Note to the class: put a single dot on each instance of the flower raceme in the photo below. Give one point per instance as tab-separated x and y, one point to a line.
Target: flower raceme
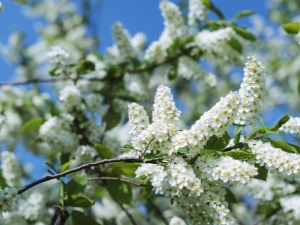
192	185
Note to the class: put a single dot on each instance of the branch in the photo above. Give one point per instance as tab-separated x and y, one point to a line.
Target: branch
128	214
84	166
116	179
52	80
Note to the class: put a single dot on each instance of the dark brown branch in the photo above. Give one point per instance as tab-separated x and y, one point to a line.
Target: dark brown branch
116	179
84	166
273	212
128	214
60	217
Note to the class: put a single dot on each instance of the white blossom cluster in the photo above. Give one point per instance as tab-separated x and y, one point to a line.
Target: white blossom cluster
226	169
190	68
58	56
138	41
174	22
291	126
202	200
215	47
32	207
135	85
213	122
57	134
251	91
197	11
165	114
11	169
8	198
155	52
84	154
275	159
123	50
93	101
175	220
70	96
291	205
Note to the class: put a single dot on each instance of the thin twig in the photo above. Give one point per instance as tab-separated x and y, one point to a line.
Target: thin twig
84	166
128	214
116	179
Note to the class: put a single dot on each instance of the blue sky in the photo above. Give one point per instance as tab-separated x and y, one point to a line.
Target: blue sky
136	16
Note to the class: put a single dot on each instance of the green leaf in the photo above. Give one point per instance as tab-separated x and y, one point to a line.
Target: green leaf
239	154
147	191
294	146
64	157
76	185
282	121
103	151
62	193
85	67
128	146
291	28
230	197
237	134
244	33
51	166
112	118
54	72
119	191
213	8
79	218
262	173
127	169
236	45
79	201
298	87
243	14
3	183
260	130
65	166
282	145
215	143
33	124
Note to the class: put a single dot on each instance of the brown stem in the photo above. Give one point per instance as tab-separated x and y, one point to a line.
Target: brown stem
128	214
84	166
60	217
116	179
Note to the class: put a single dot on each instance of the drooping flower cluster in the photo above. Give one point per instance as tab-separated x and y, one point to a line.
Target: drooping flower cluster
197	11
251	92
8	198
57	134
213	122
215	47
165	114
124	48
226	169
70	96
155	52
11	169
135	85
84	154
174	22
291	204
275	159
58	56
32	207
292	126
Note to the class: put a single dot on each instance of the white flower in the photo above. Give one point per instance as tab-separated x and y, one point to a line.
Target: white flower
197	11
176	221
11	169
292	126
8	198
58	56
70	96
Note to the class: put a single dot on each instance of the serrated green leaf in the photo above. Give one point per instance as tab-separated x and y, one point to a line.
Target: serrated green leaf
230	197
79	218
291	28
282	145
243	14
119	191
262	173
79	201
33	124
76	185
282	121
244	33
235	45
127	169
215	143
239	154
103	151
